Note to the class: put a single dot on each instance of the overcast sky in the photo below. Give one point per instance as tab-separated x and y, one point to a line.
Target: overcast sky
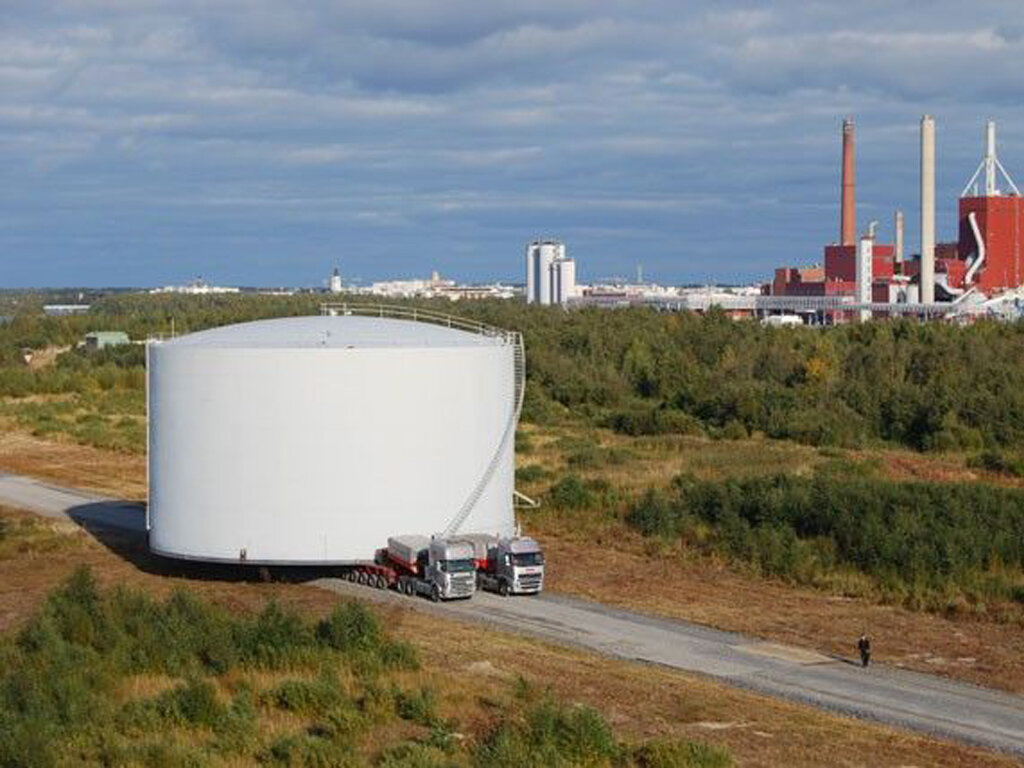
260	142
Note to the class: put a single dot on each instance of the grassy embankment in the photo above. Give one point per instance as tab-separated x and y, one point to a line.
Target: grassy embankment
120	678
159	670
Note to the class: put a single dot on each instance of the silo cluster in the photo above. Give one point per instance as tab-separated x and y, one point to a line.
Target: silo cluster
550	275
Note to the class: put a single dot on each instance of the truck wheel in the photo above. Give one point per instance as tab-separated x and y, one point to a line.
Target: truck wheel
503	588
382	582
435	594
410	588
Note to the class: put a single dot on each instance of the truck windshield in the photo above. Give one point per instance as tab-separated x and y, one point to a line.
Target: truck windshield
528	558
457	566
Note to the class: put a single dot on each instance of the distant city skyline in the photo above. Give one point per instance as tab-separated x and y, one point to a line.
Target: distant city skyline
262	143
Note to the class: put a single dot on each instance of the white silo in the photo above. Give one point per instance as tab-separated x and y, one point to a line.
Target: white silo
541	255
532	254
563	281
314	439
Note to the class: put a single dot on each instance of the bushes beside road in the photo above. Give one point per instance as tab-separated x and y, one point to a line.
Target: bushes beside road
118	678
924	543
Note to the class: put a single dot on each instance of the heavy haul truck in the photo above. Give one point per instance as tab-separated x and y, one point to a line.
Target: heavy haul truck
441	569
452	568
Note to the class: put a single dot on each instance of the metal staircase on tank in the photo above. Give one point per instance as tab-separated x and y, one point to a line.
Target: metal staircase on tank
507	437
509	338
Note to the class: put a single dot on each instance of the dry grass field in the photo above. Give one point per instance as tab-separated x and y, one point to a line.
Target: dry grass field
593	555
474	672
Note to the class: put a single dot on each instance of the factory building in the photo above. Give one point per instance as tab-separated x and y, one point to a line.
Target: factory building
104	339
550	275
838	274
987	258
991	226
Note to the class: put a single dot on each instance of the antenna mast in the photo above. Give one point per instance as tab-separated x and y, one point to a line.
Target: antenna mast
992	168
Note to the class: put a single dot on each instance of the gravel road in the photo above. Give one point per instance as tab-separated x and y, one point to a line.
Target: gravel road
897	697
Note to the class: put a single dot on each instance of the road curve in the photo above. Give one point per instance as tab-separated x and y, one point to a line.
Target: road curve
897	697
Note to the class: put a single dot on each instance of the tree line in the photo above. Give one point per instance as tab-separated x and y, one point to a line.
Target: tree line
927	386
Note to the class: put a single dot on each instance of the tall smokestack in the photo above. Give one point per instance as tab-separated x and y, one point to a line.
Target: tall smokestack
848	214
898	227
927	275
991	190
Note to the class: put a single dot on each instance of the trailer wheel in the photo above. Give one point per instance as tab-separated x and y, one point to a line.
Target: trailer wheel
503	588
435	594
350	575
361	578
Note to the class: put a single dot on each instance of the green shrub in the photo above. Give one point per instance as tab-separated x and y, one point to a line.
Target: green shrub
194	703
276	639
395	654
343	722
413	755
997	461
351	626
681	754
589	457
418	706
654	515
735	430
305	697
531	473
570	493
551	734
653	421
524	443
307	750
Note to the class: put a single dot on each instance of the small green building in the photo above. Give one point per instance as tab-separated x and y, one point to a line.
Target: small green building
102	339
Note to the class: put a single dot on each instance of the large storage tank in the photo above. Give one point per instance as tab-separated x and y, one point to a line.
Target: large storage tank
314	439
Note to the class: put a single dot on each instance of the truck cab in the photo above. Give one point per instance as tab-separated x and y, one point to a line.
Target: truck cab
451	568
440	568
518	565
509	565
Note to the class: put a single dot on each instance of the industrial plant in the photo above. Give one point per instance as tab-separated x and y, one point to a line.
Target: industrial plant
963	277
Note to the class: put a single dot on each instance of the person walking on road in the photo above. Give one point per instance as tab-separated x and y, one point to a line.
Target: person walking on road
864	646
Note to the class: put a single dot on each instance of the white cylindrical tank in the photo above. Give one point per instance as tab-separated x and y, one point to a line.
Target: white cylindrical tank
548	253
314	439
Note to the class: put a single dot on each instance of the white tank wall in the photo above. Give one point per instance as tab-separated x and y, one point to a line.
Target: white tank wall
304	455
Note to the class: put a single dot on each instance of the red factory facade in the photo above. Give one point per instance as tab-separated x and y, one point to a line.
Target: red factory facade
1000	222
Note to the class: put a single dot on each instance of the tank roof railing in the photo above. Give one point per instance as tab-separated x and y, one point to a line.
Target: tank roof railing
418	315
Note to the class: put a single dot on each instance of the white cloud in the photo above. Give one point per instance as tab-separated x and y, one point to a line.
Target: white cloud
438	122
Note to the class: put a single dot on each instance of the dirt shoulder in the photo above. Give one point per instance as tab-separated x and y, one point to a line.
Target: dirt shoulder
983	652
118	475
